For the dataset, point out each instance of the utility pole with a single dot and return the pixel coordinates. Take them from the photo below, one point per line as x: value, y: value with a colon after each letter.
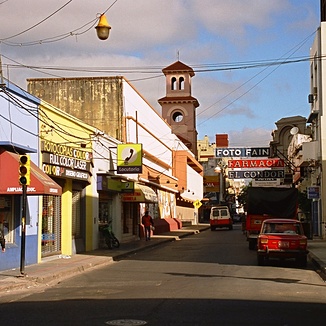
x: 24, y: 180
x: 23, y: 236
x: 2, y: 83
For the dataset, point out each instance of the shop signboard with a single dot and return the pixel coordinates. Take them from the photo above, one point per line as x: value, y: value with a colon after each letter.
x: 313, y: 192
x: 256, y: 163
x: 65, y: 161
x: 242, y: 152
x: 254, y: 174
x: 130, y: 158
x: 266, y: 182
x: 106, y: 183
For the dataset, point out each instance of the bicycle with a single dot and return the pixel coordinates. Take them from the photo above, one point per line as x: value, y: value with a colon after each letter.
x: 109, y: 237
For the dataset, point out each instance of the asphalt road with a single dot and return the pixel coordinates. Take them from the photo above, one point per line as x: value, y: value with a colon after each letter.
x: 206, y: 279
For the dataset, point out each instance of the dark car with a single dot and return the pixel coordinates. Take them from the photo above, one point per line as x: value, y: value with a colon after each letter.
x: 282, y: 239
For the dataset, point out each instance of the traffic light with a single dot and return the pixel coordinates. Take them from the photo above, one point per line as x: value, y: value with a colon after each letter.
x: 24, y: 170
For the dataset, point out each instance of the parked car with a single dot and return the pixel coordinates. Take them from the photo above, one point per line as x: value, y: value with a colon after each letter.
x: 220, y: 217
x: 282, y: 239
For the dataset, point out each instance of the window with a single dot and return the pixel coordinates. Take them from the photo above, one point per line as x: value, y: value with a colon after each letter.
x: 105, y: 211
x: 173, y: 83
x: 181, y: 83
x: 6, y: 218
x: 224, y: 212
x: 76, y: 227
x: 287, y: 228
x: 177, y: 116
x: 51, y: 225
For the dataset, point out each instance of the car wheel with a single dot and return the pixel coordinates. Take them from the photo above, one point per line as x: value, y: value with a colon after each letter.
x: 302, y: 261
x: 260, y: 260
x: 252, y: 245
x: 231, y: 227
x: 212, y: 228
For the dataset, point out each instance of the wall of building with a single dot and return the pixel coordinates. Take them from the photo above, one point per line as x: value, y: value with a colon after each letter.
x: 318, y: 133
x: 322, y: 129
x: 137, y: 121
x: 19, y: 126
x: 96, y: 101
x: 70, y: 143
x: 205, y: 149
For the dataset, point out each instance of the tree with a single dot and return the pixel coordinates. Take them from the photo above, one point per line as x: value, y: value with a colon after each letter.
x: 242, y: 197
x: 304, y: 203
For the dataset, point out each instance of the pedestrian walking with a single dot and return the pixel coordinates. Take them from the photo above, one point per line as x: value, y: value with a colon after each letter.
x: 147, y: 221
x: 2, y: 240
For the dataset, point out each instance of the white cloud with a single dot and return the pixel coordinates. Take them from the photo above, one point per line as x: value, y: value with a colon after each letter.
x: 150, y: 33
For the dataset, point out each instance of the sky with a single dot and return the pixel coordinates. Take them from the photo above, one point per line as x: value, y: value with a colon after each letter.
x: 250, y: 57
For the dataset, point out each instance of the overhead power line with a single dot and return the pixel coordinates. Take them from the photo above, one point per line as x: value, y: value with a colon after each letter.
x: 37, y: 24
x: 201, y: 68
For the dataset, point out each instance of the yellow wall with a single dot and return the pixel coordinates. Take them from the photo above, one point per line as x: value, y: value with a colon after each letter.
x: 90, y: 219
x: 66, y: 217
x: 59, y: 127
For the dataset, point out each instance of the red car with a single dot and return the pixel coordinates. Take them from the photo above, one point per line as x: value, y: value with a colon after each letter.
x: 282, y: 239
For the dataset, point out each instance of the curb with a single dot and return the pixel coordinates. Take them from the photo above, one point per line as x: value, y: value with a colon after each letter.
x: 26, y: 282
x: 319, y: 264
x: 165, y: 239
x: 117, y: 257
x: 70, y: 271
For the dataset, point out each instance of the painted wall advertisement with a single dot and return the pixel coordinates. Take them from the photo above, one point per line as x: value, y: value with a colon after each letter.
x: 64, y: 161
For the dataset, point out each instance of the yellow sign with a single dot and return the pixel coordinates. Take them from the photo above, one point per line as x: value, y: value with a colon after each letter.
x: 197, y: 203
x: 130, y: 158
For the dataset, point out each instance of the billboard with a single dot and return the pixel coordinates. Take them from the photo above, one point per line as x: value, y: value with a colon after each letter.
x: 242, y: 152
x: 256, y: 163
x: 255, y: 174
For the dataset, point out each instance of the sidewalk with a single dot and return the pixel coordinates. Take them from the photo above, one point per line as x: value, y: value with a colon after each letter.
x: 317, y: 254
x: 59, y: 267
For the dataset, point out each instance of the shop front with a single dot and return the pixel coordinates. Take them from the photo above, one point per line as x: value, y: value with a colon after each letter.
x: 134, y: 205
x: 109, y: 191
x: 41, y: 186
x: 64, y: 223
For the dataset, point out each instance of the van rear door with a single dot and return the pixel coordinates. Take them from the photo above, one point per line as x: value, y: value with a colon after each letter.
x: 220, y: 217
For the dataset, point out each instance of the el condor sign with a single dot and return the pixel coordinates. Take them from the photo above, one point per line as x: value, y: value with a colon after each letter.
x: 256, y: 174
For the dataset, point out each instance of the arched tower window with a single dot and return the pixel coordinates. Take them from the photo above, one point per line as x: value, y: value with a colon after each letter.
x: 181, y: 83
x: 173, y: 83
x: 177, y: 116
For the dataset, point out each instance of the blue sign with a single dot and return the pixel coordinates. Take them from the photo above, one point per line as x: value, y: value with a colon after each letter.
x: 313, y: 192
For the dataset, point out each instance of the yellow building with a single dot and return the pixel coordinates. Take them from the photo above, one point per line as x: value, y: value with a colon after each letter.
x: 66, y: 222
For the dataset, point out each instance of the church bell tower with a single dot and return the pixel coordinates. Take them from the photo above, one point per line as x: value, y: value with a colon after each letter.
x: 178, y: 106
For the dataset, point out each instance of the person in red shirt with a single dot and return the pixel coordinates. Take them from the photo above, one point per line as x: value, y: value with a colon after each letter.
x: 147, y: 221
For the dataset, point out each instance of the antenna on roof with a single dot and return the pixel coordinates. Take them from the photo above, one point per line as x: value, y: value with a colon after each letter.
x: 178, y: 55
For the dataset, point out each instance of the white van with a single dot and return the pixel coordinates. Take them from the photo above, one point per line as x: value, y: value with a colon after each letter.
x: 220, y: 217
